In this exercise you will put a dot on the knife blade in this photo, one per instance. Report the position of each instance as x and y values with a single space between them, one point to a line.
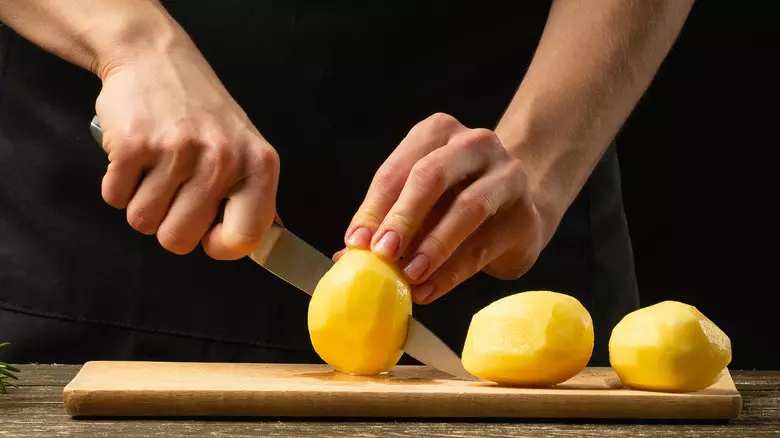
290 258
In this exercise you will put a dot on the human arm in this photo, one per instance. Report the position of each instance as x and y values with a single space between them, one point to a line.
594 61
177 143
93 34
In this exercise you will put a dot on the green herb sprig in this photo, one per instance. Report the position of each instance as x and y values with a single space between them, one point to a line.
7 373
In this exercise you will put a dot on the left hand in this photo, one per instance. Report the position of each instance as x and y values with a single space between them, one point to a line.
449 202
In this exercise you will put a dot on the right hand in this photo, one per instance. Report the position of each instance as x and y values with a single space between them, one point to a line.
178 145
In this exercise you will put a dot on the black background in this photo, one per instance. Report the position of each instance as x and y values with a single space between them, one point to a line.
698 175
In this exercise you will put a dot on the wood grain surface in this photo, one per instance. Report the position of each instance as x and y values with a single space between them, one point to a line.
36 410
284 390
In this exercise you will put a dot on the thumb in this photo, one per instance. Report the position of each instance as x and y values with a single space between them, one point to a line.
248 215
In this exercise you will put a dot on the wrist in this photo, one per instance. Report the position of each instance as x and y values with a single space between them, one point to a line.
551 206
122 39
553 158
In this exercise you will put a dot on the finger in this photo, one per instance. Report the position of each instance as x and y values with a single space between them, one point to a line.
479 249
151 201
432 219
466 155
197 202
189 217
338 255
471 208
496 236
437 212
249 212
124 172
384 189
386 186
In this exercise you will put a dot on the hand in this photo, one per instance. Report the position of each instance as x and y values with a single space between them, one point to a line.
451 201
179 145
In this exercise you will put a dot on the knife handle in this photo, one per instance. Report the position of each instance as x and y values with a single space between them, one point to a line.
97 134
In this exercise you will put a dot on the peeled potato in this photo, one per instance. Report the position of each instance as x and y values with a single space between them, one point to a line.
536 338
669 346
359 314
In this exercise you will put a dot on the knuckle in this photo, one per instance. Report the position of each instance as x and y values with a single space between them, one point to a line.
484 140
134 128
214 155
436 123
210 161
220 165
180 152
513 266
140 220
178 144
114 198
428 174
126 148
216 141
175 242
399 221
113 191
265 161
453 278
476 204
442 122
479 256
179 139
367 216
388 175
436 248
482 137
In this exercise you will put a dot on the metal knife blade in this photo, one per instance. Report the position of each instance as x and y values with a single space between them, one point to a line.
293 260
423 345
290 258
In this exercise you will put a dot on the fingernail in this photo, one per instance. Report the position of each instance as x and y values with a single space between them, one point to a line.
388 245
360 238
417 267
422 292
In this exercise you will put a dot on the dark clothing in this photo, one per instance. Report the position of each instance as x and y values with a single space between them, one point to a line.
333 88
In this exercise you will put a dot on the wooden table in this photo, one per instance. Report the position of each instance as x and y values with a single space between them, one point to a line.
36 410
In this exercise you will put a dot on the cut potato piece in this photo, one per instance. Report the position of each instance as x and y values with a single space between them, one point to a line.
359 314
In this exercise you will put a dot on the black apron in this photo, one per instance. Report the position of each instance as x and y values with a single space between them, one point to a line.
334 87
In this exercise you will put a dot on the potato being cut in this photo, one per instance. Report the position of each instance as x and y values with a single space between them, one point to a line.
359 314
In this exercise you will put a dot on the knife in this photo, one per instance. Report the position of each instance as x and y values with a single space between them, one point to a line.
296 262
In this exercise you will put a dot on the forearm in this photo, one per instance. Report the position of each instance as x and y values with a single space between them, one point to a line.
93 34
593 63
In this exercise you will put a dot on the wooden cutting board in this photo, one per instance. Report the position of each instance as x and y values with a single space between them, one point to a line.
283 390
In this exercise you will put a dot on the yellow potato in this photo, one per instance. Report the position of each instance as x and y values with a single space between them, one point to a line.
669 346
536 338
359 314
